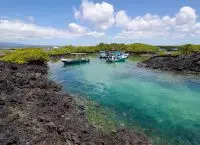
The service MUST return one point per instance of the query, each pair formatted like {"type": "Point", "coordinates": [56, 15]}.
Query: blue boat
{"type": "Point", "coordinates": [115, 57]}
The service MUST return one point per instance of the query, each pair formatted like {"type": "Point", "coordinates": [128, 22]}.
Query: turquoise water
{"type": "Point", "coordinates": [165, 106]}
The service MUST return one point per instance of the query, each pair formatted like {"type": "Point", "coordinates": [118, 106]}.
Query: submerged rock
{"type": "Point", "coordinates": [33, 111]}
{"type": "Point", "coordinates": [181, 63]}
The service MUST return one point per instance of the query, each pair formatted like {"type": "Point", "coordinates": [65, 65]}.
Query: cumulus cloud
{"type": "Point", "coordinates": [186, 16]}
{"type": "Point", "coordinates": [182, 24]}
{"type": "Point", "coordinates": [100, 14]}
{"type": "Point", "coordinates": [76, 28]}
{"type": "Point", "coordinates": [16, 29]}
{"type": "Point", "coordinates": [80, 30]}
{"type": "Point", "coordinates": [197, 28]}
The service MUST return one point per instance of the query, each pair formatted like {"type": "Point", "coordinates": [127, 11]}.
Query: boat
{"type": "Point", "coordinates": [121, 54]}
{"type": "Point", "coordinates": [113, 58]}
{"type": "Point", "coordinates": [78, 59]}
{"type": "Point", "coordinates": [125, 55]}
{"type": "Point", "coordinates": [103, 55]}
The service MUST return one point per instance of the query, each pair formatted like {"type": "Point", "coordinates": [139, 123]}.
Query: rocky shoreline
{"type": "Point", "coordinates": [35, 112]}
{"type": "Point", "coordinates": [189, 64]}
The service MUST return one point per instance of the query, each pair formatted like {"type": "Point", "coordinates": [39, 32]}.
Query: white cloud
{"type": "Point", "coordinates": [183, 24]}
{"type": "Point", "coordinates": [76, 28]}
{"type": "Point", "coordinates": [141, 34]}
{"type": "Point", "coordinates": [16, 29]}
{"type": "Point", "coordinates": [147, 22]}
{"type": "Point", "coordinates": [100, 14]}
{"type": "Point", "coordinates": [95, 34]}
{"type": "Point", "coordinates": [186, 16]}
{"type": "Point", "coordinates": [80, 30]}
{"type": "Point", "coordinates": [197, 28]}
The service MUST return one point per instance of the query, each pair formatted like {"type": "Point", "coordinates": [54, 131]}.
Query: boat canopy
{"type": "Point", "coordinates": [78, 54]}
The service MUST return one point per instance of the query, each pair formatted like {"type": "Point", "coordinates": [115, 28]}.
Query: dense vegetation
{"type": "Point", "coordinates": [189, 48]}
{"type": "Point", "coordinates": [131, 48]}
{"type": "Point", "coordinates": [26, 56]}
{"type": "Point", "coordinates": [137, 48]}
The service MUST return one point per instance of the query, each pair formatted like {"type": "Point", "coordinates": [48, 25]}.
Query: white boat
{"type": "Point", "coordinates": [125, 55]}
{"type": "Point", "coordinates": [103, 54]}
{"type": "Point", "coordinates": [113, 58]}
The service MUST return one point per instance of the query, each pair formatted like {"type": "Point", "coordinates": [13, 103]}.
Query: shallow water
{"type": "Point", "coordinates": [165, 106]}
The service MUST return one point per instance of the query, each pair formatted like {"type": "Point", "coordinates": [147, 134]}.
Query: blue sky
{"type": "Point", "coordinates": [88, 22]}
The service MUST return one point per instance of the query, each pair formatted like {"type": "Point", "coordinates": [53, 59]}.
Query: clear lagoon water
{"type": "Point", "coordinates": [166, 106]}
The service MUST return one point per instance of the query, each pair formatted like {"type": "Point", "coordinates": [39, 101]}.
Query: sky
{"type": "Point", "coordinates": [89, 22]}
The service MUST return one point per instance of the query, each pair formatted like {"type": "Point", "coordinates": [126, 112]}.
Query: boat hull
{"type": "Point", "coordinates": [103, 57]}
{"type": "Point", "coordinates": [68, 62]}
{"type": "Point", "coordinates": [115, 60]}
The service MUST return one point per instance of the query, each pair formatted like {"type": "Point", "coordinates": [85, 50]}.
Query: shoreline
{"type": "Point", "coordinates": [185, 63]}
{"type": "Point", "coordinates": [34, 111]}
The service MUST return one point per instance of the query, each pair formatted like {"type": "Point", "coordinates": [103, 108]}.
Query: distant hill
{"type": "Point", "coordinates": [8, 45]}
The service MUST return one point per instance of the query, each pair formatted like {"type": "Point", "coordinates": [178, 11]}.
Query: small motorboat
{"type": "Point", "coordinates": [103, 55]}
{"type": "Point", "coordinates": [121, 54]}
{"type": "Point", "coordinates": [125, 55]}
{"type": "Point", "coordinates": [75, 61]}
{"type": "Point", "coordinates": [79, 58]}
{"type": "Point", "coordinates": [113, 58]}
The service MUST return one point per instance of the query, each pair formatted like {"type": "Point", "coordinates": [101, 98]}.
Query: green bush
{"type": "Point", "coordinates": [132, 48]}
{"type": "Point", "coordinates": [60, 51]}
{"type": "Point", "coordinates": [26, 55]}
{"type": "Point", "coordinates": [186, 49]}
{"type": "Point", "coordinates": [189, 48]}
{"type": "Point", "coordinates": [174, 53]}
{"type": "Point", "coordinates": [142, 48]}
{"type": "Point", "coordinates": [161, 53]}
{"type": "Point", "coordinates": [196, 48]}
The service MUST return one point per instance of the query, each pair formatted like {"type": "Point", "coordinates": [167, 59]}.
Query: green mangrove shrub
{"type": "Point", "coordinates": [175, 53]}
{"type": "Point", "coordinates": [26, 55]}
{"type": "Point", "coordinates": [186, 49]}
{"type": "Point", "coordinates": [132, 48]}
{"type": "Point", "coordinates": [161, 53]}
{"type": "Point", "coordinates": [142, 48]}
{"type": "Point", "coordinates": [189, 48]}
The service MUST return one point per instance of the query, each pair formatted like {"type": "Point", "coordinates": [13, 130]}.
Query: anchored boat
{"type": "Point", "coordinates": [113, 58]}
{"type": "Point", "coordinates": [117, 57]}
{"type": "Point", "coordinates": [77, 58]}
{"type": "Point", "coordinates": [103, 54]}
{"type": "Point", "coordinates": [125, 55]}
